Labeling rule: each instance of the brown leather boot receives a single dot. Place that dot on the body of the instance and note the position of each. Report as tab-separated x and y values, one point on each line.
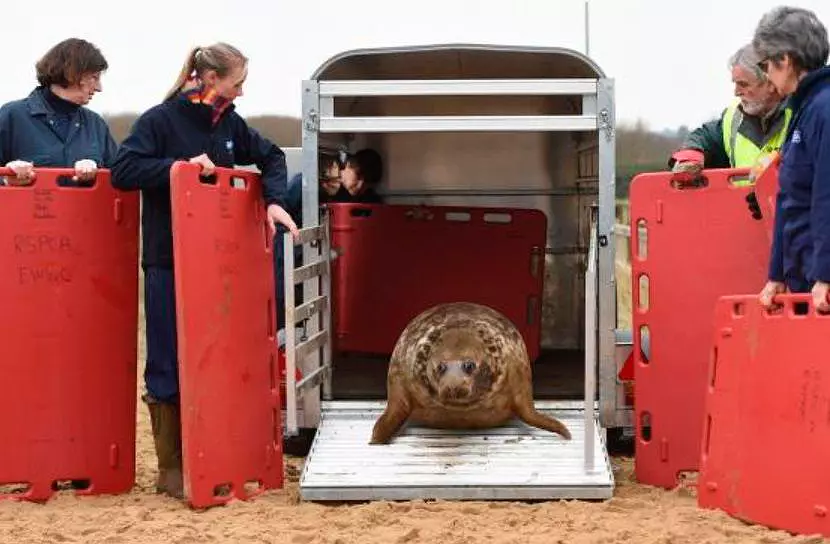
167	435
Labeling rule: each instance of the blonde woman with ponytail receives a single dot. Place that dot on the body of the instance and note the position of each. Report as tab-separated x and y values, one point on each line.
196	121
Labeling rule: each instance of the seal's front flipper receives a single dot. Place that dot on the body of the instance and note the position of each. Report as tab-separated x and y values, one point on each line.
529	415
390	421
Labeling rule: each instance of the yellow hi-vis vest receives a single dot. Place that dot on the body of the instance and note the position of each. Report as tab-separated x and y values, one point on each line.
741	151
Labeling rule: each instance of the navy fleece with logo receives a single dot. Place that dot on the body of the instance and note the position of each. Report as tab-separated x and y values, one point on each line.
801	245
180	130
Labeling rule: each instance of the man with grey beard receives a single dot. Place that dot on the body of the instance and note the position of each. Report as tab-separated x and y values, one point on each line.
753	126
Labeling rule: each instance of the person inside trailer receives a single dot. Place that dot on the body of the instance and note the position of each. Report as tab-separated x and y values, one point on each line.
793	47
360	178
329	177
353	180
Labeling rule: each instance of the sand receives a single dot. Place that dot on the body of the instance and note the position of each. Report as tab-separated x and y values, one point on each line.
636	514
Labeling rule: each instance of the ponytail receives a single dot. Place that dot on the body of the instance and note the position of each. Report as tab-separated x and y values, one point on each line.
219	57
187	70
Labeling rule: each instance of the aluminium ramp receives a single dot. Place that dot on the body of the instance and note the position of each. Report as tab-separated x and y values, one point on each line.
514	462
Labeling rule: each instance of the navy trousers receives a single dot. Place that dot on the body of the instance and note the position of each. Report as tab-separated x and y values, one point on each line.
161	375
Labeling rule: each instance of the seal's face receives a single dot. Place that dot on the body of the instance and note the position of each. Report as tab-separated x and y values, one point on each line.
459	370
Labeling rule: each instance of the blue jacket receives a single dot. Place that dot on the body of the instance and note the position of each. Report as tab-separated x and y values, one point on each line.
26	134
801	245
180	130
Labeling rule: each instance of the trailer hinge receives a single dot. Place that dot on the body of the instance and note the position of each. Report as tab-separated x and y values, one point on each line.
312	123
605	123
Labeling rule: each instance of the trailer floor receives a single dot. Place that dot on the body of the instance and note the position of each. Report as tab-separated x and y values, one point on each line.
514	462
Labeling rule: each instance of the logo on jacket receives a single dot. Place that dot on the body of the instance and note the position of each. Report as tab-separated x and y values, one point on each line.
796	136
229	145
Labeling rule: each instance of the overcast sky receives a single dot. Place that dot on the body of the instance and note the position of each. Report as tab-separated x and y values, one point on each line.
668	57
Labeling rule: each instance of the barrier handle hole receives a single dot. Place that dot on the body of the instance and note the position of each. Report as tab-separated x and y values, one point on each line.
212	179
639	240
15	488
223	490
643	293
645	426
644	336
360	212
498	218
801	308
77	484
689	182
239	183
252	487
66	182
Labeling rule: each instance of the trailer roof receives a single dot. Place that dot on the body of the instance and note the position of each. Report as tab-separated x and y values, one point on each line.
458	61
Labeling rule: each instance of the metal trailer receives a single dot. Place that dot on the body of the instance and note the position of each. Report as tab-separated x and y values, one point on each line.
534	127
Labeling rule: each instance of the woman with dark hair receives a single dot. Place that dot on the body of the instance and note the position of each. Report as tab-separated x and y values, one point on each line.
51	127
793	46
195	122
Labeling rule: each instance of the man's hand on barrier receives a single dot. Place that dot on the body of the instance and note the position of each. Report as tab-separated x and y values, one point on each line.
688	161
85	170
276	214
688	167
24	172
820	292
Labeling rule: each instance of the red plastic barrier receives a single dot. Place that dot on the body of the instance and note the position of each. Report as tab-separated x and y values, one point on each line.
700	244
395	261
228	370
68	343
767	433
766	191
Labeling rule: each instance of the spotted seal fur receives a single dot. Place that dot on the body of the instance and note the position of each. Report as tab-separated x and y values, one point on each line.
460	366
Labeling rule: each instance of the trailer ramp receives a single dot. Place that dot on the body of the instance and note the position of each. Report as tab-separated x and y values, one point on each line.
514	462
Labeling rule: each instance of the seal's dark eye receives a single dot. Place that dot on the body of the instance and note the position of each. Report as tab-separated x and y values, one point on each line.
442	367
468	367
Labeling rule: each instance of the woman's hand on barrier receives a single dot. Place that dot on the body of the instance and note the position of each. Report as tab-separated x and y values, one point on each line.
276	214
85	170
208	168
820	292
768	293
24	172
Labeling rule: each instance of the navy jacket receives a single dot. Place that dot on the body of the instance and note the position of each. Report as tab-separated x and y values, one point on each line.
801	245
180	130
26	134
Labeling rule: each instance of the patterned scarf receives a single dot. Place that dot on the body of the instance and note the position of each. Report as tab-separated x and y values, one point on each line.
197	94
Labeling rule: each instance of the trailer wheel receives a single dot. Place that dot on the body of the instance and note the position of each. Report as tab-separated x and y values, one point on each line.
299	445
620	441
